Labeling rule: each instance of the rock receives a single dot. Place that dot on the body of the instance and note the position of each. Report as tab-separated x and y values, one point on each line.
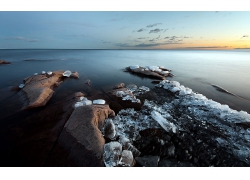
39	88
81	142
148	161
4	62
109	129
150	71
74	74
87	82
126	98
118	86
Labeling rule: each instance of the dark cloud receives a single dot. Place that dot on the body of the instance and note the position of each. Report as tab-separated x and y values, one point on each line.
71	35
186	37
155	30
140	30
152	25
158	37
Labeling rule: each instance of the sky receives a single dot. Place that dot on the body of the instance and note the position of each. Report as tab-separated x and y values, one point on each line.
124	29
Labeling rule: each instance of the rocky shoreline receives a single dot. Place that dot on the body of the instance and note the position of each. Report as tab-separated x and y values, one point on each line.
128	126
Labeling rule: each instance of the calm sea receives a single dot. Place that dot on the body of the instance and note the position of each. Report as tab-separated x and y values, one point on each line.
196	69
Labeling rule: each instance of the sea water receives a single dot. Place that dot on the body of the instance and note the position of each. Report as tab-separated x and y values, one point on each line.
196	69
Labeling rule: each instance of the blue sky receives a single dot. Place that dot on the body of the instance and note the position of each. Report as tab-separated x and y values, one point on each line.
125	29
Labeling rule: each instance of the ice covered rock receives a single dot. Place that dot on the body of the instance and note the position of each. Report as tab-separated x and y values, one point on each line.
127	158
49	73
67	73
134	67
99	101
112	153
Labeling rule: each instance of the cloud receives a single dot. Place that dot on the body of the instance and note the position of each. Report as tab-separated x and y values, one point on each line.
155	30
123	45
140	30
106	42
208	47
22	39
152	25
154	44
142	38
245	36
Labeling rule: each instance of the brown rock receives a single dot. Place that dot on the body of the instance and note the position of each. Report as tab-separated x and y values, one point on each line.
81	141
4	62
118	86
75	75
39	88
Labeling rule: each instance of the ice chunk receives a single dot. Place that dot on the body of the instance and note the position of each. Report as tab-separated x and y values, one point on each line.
49	72
144	88
67	73
161	66
112	153
109	129
78	104
134	67
127	158
43	72
35	74
171	150
87	102
175	89
163	122
99	101
21	86
120	93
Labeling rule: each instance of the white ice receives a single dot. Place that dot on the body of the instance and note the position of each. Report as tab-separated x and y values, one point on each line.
67	73
21	86
112	153
35	74
49	72
43	72
126	158
163	122
134	67
99	101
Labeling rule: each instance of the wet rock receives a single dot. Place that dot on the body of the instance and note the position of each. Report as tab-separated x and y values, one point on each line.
74	74
39	88
118	86
109	129
81	142
4	62
148	161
